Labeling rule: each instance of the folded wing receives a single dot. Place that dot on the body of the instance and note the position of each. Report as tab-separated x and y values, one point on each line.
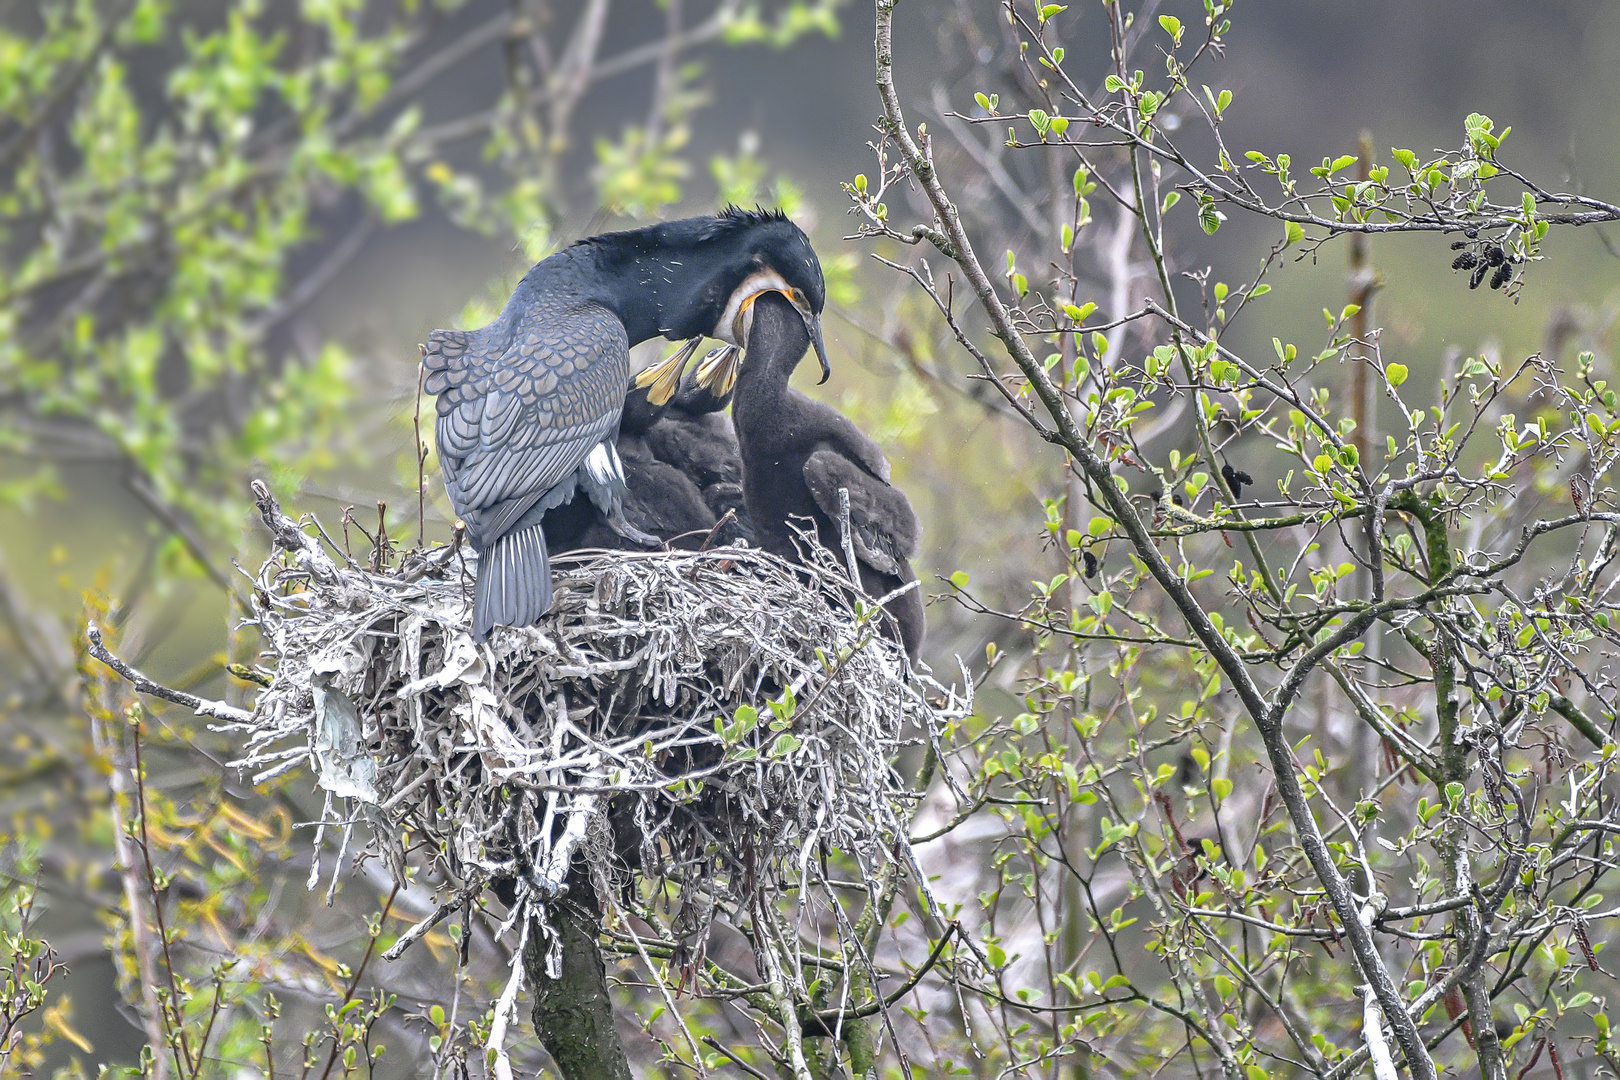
521	403
883	525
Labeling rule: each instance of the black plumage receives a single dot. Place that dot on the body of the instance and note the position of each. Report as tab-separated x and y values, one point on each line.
659	498
529	406
695	436
1236	479
797	453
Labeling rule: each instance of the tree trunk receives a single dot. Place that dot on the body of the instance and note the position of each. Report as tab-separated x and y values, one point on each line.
573	1014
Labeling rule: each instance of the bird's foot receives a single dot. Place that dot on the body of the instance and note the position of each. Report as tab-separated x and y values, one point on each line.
635	535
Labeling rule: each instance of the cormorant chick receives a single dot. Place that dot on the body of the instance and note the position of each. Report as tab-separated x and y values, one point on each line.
696	436
659	498
797	453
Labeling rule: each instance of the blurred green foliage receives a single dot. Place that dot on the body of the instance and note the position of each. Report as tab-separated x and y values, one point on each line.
181	181
178	182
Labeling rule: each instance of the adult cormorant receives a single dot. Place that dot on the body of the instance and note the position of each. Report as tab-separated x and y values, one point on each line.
797	453
529	405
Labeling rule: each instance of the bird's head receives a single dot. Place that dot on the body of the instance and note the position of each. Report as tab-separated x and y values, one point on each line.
780	260
777	339
742	255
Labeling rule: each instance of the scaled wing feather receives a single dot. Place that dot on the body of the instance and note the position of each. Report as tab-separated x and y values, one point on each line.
521	404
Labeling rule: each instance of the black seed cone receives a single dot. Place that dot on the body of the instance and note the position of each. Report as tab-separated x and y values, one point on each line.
1235	479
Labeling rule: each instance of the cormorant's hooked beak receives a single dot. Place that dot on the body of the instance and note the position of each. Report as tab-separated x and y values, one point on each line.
743	324
812	323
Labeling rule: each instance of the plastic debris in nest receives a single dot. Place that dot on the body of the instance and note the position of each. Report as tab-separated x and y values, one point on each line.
716	721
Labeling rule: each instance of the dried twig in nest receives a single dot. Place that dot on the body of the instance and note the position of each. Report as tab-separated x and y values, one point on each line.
719	721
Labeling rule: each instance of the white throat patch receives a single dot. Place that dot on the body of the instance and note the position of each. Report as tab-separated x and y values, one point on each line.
733	325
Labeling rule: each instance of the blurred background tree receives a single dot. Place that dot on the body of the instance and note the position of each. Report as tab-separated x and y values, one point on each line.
225	226
1287	790
187	186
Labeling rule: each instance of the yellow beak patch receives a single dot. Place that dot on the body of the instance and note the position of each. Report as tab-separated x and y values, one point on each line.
718	370
664	376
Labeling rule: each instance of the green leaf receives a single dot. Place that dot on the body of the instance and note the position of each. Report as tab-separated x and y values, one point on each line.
960	579
1221	787
1293	233
1395	373
1099	526
1172	26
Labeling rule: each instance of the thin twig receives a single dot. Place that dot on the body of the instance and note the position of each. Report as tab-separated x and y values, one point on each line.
201	706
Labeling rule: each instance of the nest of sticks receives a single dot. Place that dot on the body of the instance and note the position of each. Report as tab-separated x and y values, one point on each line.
713	723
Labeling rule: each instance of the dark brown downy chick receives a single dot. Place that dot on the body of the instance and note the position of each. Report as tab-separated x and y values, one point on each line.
695	435
798	452
659	500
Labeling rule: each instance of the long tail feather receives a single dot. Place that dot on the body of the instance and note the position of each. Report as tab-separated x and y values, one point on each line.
514	582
